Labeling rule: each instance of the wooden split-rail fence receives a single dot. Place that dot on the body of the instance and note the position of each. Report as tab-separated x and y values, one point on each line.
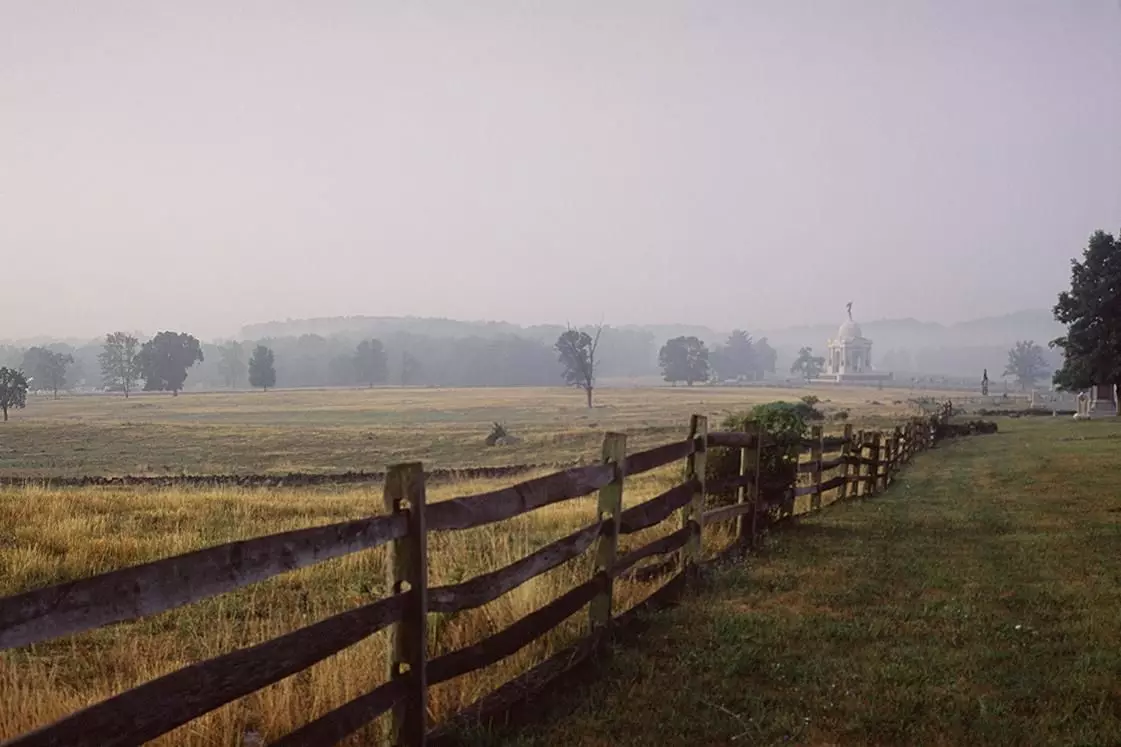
864	462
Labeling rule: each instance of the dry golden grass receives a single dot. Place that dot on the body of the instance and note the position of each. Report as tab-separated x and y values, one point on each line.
50	536
342	429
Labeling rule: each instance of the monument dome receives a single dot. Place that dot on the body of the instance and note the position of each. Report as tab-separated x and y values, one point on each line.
850	355
849	330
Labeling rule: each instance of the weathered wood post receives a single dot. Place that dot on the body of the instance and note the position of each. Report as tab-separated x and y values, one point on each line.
877	462
695	470
885	459
610	506
846	468
816	448
861	487
896	445
750	463
407	572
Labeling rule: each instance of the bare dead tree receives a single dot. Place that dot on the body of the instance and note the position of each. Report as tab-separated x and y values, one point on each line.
576	351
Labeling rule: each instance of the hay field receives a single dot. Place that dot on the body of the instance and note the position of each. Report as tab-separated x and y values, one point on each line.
52	535
367	429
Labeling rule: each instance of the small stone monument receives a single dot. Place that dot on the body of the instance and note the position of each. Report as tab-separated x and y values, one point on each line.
1083	407
1103	400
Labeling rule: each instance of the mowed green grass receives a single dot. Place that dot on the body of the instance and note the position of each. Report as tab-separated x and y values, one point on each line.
368	429
977	602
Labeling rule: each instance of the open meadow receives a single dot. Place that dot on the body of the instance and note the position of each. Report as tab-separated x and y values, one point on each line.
333	430
50	535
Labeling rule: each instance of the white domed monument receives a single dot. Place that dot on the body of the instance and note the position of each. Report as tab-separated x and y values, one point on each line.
850	356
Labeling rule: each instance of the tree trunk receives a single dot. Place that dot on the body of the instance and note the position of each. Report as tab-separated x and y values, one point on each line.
5	408
588	391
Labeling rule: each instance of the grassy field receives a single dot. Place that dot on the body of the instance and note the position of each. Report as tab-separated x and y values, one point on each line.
348	429
47	536
52	535
974	603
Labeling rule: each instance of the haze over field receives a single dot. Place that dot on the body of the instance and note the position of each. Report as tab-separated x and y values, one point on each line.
729	164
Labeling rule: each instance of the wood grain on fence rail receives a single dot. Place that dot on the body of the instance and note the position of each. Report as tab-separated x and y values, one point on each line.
727	512
343	721
732	439
659	456
489	586
116	596
486	508
655	510
661	546
516	636
158	706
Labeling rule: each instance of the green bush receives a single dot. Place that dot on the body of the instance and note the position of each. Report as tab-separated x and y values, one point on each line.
786	424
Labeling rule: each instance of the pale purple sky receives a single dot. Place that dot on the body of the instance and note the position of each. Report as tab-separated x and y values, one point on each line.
200	165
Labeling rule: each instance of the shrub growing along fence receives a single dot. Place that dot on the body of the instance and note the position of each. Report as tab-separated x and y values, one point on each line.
864	464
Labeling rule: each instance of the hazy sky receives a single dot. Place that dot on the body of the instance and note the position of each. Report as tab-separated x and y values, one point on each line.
200	165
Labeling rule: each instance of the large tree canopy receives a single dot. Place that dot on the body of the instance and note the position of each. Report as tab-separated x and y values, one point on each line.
165	358
47	368
262	372
684	359
1091	309
13	390
808	364
371	363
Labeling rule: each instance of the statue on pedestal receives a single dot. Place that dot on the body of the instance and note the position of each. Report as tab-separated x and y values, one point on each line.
985	383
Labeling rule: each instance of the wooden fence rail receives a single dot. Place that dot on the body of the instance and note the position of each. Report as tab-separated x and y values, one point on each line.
865	464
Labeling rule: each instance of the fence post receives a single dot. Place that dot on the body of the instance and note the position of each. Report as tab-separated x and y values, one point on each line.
695	469
816	449
610	506
407	569
896	442
750	462
885	460
846	468
861	487
877	462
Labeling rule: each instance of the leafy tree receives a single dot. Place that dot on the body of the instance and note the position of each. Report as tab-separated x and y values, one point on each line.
13	390
766	357
807	364
120	362
371	362
47	368
262	371
410	369
1091	309
576	352
1026	363
231	363
735	359
684	359
164	361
